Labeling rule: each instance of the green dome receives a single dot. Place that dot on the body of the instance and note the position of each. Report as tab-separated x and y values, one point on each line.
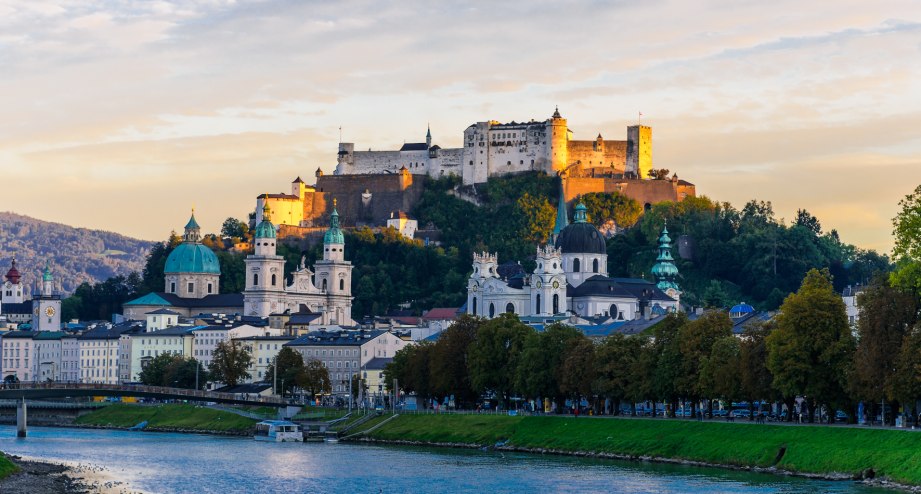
191	257
46	275
265	229
334	234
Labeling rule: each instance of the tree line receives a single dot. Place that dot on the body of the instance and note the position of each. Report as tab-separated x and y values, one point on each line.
809	351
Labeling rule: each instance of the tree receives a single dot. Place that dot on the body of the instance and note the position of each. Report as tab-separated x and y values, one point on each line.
669	363
602	207
539	365
907	249
887	315
185	372
230	362
577	369
695	342
719	371
754	377
494	355
450	374
234	228
410	367
658	173
154	373
290	370
809	353
808	221
315	378
615	360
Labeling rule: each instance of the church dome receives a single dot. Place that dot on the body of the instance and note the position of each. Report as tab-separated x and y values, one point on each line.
190	257
581	237
13	274
265	228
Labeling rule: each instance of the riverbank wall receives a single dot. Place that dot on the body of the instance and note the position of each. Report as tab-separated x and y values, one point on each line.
835	453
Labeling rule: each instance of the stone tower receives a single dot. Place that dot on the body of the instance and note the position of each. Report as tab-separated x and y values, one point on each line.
46	305
334	274
639	150
558	143
265	271
13	290
548	283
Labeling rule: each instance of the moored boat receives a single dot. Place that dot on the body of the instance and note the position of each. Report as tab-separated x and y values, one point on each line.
278	431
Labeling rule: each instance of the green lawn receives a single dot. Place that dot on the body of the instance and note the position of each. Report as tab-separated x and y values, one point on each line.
169	416
7	467
814	449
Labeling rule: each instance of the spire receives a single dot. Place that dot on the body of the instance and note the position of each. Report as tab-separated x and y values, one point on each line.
334	233
13	275
192	230
580	216
665	271
428	137
428	134
562	218
46	274
265	228
556	112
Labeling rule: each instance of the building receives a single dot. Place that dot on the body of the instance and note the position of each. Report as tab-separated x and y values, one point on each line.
99	352
345	353
42	311
849	296
18	355
47	350
13	304
327	290
571	278
207	338
263	349
491	148
403	223
147	345
191	283
373	374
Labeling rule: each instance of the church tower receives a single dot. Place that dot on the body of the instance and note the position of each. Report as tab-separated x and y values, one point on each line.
265	271
46	305
334	274
548	283
665	271
13	291
484	267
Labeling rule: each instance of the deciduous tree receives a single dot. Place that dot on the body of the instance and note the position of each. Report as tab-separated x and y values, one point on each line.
230	362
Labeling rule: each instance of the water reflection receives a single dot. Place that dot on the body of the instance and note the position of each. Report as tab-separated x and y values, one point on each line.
175	463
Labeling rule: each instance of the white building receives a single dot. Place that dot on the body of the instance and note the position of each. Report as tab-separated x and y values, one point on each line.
263	349
70	358
207	338
344	353
18	355
491	148
47	351
403	223
99	352
849	296
571	279
327	290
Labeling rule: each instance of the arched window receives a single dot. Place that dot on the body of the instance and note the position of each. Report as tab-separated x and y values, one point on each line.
613	311
255	279
510	308
209	288
492	310
324	284
537	305
274	280
474	306
342	285
575	265
556	303
595	266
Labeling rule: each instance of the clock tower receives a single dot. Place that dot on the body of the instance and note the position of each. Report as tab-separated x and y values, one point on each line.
548	283
46	305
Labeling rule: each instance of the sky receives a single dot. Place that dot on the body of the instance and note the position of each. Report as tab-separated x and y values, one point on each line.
124	115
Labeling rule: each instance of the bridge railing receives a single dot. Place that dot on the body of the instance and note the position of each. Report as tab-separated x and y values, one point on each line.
134	388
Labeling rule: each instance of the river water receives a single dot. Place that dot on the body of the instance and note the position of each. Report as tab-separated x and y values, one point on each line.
178	463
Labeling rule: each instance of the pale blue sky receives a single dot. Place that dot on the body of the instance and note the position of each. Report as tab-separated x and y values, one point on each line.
122	115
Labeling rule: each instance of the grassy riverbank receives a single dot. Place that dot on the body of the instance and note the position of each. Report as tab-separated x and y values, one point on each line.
185	417
806	449
7	467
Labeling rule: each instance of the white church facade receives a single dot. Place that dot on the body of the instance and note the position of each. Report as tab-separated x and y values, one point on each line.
570	278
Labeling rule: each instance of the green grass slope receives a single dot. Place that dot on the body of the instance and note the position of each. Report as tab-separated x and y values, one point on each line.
168	416
7	467
808	449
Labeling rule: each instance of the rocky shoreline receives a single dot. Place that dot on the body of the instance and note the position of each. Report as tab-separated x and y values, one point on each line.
866	477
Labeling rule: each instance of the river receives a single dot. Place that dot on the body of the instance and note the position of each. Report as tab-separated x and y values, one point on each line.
178	463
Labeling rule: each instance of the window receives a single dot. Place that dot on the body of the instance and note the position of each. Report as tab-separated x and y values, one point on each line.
273	280
556	303
537	304
575	265
172	287
492	310
474	306
510	308
342	285
324	285
595	266
255	279
209	288
191	287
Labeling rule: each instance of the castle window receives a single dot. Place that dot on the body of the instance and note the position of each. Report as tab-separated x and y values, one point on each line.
191	287
492	310
274	279
595	266
510	308
341	285
575	265
521	162
509	163
255	279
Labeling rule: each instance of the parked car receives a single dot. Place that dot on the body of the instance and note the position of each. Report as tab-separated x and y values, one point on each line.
841	416
720	413
742	413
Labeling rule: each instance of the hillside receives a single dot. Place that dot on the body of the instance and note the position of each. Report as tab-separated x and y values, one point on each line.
77	255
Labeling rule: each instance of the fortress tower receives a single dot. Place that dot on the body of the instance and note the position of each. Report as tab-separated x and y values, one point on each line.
639	150
558	143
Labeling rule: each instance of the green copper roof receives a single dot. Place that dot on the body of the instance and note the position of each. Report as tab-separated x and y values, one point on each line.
265	228
149	299
580	215
665	271
192	257
334	234
562	219
192	223
192	230
46	275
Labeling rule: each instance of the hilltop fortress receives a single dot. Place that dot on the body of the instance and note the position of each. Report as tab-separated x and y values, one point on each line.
494	149
374	186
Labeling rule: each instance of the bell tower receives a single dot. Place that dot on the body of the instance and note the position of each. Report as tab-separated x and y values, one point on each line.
334	274
265	271
548	283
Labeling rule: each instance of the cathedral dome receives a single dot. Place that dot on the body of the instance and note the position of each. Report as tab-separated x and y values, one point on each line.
13	274
265	228
581	237
190	257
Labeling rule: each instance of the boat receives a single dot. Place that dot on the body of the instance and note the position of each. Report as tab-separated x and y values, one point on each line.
331	437
139	427
279	431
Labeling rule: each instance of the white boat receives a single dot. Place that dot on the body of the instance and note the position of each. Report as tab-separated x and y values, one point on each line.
279	431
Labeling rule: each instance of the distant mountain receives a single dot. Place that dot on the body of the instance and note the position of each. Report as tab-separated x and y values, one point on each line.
76	254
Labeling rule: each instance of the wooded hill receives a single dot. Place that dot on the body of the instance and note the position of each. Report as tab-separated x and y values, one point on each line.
77	255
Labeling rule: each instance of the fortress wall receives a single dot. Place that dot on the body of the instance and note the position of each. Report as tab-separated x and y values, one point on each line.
376	161
642	191
390	192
